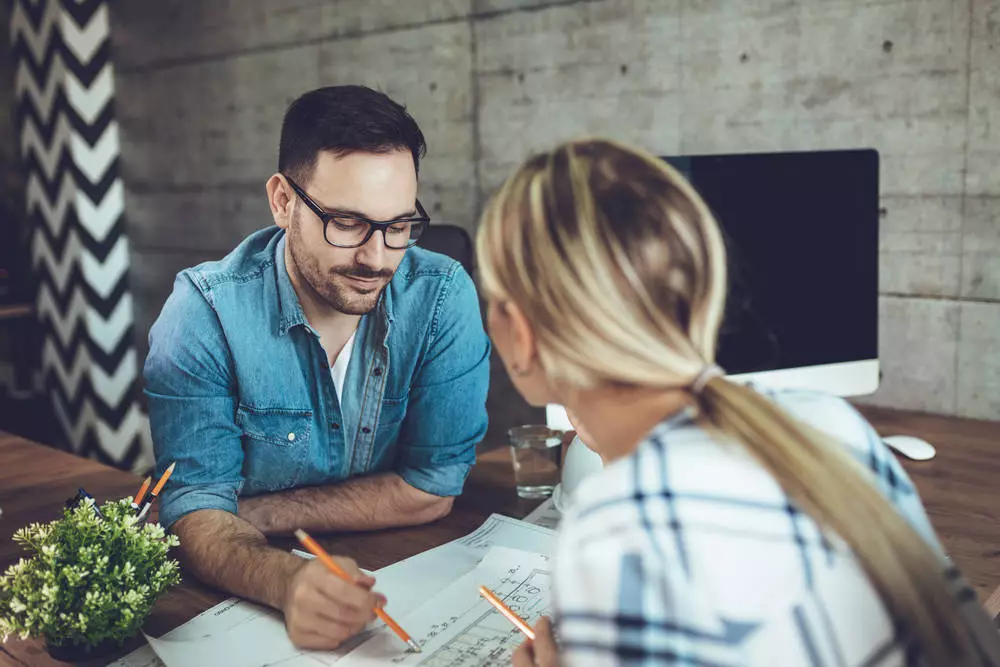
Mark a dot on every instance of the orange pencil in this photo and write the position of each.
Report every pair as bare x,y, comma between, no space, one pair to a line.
505,610
316,550
155,493
163,480
137,502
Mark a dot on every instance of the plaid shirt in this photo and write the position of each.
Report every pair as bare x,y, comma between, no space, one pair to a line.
688,552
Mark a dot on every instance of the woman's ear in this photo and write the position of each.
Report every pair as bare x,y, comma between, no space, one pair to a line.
524,353
514,340
279,201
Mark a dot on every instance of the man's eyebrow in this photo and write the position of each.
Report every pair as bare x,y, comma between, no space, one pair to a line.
412,213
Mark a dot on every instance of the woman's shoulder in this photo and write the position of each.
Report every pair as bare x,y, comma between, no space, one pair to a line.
680,460
828,413
843,422
628,497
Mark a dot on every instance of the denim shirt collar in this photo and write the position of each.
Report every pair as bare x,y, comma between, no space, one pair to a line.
290,313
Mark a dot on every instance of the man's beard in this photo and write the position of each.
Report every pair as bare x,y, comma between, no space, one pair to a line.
342,297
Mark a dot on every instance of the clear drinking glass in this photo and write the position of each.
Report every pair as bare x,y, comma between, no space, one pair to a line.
535,452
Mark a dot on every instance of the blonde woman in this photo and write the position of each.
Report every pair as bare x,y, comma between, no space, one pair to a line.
729,527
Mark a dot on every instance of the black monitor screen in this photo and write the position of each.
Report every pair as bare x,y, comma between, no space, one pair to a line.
802,237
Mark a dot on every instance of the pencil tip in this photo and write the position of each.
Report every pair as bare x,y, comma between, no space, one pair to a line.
415,646
301,534
171,468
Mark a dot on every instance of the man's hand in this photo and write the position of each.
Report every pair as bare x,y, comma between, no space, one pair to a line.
322,610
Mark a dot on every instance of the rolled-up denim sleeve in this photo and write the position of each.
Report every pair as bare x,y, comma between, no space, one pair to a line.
192,405
446,416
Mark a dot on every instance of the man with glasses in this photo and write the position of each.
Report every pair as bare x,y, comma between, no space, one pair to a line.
325,375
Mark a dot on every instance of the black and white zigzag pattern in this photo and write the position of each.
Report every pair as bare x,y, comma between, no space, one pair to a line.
69,143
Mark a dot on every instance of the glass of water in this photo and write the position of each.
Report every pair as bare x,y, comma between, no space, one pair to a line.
535,451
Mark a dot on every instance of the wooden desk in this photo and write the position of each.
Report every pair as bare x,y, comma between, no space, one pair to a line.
957,487
36,480
960,487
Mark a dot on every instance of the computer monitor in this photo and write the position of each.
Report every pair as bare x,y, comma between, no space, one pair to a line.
801,231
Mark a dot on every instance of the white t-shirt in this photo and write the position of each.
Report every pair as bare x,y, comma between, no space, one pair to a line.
339,369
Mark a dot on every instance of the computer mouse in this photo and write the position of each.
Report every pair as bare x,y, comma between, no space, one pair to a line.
911,447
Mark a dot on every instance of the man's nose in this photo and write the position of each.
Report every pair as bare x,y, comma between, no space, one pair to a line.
373,252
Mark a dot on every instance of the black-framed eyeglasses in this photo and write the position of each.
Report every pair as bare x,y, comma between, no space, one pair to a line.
347,230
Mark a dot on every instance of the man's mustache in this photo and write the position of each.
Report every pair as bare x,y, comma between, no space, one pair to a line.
363,272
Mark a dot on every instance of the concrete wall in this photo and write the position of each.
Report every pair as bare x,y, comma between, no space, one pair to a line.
203,87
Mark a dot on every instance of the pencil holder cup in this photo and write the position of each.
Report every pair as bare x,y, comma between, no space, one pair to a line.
91,582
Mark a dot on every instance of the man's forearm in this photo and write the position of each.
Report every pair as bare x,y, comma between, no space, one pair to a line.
360,503
227,552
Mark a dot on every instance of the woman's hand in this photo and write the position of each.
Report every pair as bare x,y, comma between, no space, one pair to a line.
541,652
580,432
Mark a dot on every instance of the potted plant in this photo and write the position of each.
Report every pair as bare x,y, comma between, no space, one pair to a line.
91,582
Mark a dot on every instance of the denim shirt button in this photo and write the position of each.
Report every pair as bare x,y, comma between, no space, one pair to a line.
377,372
366,430
291,437
335,426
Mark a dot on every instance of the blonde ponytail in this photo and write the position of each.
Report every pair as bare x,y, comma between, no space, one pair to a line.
832,488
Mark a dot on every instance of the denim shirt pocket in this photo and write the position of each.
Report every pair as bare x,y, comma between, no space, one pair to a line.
390,423
275,446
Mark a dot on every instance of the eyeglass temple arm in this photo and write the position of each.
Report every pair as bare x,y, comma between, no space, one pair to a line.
325,214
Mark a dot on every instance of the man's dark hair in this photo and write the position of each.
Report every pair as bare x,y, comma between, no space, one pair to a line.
343,120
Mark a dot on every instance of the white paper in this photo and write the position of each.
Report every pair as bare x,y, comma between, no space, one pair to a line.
411,582
546,515
142,657
237,633
243,634
457,627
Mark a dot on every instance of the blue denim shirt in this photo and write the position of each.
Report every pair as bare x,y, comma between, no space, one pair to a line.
241,397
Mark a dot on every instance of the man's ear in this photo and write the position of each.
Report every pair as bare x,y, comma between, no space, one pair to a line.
279,198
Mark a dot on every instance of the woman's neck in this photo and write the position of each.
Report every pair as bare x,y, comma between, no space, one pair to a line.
617,419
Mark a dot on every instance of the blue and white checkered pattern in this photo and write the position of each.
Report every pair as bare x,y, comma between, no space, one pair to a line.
688,552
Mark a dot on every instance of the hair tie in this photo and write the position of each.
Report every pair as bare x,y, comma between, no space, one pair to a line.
707,373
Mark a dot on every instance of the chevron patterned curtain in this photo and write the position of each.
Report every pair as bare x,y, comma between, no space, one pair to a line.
65,89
